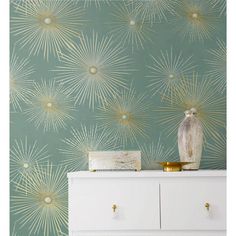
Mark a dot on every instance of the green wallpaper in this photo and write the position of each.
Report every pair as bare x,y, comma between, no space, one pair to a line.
107,75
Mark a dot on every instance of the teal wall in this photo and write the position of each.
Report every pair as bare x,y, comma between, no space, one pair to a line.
107,75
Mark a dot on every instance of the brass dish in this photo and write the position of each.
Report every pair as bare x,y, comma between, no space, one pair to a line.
173,166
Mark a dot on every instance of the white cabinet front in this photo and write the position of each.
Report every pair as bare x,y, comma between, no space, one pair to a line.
112,204
199,205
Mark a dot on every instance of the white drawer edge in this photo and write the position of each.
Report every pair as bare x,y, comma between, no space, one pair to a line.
146,174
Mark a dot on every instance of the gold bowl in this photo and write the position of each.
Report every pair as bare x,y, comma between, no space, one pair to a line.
173,166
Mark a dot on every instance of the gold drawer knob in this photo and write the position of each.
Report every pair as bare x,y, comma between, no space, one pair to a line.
114,207
207,205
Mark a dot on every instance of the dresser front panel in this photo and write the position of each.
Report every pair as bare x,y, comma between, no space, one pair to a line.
147,203
136,201
183,205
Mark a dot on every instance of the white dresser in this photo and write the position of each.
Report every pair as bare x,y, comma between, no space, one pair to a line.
147,203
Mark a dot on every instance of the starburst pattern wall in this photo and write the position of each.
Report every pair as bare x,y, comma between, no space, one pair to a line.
215,157
46,26
196,20
42,203
129,27
94,70
24,158
126,116
217,65
96,3
167,72
90,75
20,84
49,107
156,10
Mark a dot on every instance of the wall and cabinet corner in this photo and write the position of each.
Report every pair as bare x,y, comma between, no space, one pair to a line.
147,203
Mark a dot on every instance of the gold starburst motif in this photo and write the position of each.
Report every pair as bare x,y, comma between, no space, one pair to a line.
44,208
155,152
81,142
125,116
47,26
94,70
167,72
199,93
196,20
217,65
24,157
154,11
20,82
215,157
128,27
50,106
220,5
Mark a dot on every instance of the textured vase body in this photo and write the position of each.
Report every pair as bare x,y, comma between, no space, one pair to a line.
190,140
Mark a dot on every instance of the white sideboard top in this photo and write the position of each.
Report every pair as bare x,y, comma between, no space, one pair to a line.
146,174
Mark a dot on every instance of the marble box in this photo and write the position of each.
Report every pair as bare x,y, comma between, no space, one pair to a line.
115,160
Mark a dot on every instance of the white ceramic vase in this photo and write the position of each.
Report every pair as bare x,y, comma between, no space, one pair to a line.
190,140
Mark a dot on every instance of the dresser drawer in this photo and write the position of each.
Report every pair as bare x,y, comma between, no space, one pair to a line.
92,203
183,205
